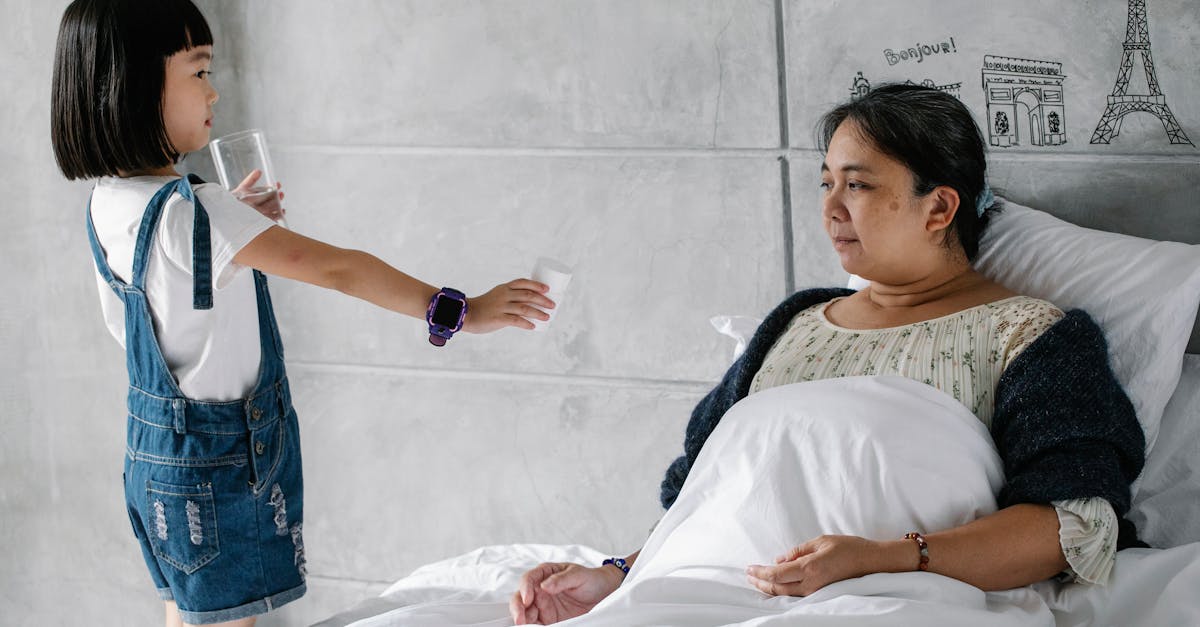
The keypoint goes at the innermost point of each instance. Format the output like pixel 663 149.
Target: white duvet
pixel 868 456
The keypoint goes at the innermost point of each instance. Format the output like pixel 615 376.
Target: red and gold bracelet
pixel 922 546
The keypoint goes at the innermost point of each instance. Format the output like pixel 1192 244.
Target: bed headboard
pixel 1144 197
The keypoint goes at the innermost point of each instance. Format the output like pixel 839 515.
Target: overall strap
pixel 100 257
pixel 272 368
pixel 202 297
pixel 201 241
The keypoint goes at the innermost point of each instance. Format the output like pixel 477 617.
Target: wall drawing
pixel 920 52
pixel 954 89
pixel 861 86
pixel 1121 102
pixel 1024 101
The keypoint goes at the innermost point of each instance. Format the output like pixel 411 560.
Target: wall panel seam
pixel 789 257
pixel 665 385
pixel 781 70
pixel 352 580
pixel 698 153
pixel 549 151
pixel 1076 157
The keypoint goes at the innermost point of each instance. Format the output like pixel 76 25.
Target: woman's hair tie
pixel 986 199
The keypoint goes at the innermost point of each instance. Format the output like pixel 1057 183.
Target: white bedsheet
pixel 870 456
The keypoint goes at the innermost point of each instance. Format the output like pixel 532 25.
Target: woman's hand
pixel 507 305
pixel 818 563
pixel 554 592
pixel 266 200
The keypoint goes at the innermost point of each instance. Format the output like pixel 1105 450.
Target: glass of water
pixel 236 156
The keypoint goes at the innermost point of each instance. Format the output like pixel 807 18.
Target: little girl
pixel 212 468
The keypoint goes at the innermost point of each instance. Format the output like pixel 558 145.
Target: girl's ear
pixel 941 207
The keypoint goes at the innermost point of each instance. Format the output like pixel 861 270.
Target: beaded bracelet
pixel 922 546
pixel 618 562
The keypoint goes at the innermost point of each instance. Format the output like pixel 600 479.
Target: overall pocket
pixel 267 445
pixel 181 523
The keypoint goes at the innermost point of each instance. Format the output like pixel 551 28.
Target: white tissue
pixel 740 328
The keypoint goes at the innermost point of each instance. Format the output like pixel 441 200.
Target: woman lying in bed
pixel 904 203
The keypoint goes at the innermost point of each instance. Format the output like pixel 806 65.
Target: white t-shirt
pixel 213 353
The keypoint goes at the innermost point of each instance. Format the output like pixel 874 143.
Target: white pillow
pixel 1166 508
pixel 1143 293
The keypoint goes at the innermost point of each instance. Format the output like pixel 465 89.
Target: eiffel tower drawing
pixel 1121 103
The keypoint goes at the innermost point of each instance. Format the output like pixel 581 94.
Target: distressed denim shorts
pixel 215 496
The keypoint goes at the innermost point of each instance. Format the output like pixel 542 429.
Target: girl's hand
pixel 816 564
pixel 553 592
pixel 267 201
pixel 508 305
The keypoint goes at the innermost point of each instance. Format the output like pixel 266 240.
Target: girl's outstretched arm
pixel 281 252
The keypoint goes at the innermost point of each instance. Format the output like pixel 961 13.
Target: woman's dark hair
pixel 933 135
pixel 109 68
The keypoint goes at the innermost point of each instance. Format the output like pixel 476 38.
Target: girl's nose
pixel 214 97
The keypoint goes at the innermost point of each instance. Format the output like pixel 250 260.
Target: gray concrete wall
pixel 662 148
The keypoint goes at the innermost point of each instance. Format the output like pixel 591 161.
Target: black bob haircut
pixel 109 67
pixel 933 134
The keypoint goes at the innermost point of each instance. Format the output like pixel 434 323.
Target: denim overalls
pixel 213 489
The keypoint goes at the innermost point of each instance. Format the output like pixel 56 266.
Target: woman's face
pixel 878 226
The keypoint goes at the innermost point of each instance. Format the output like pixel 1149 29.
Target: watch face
pixel 447 311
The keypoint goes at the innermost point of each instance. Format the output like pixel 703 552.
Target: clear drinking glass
pixel 237 155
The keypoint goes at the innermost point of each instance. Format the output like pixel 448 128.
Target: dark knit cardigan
pixel 1062 424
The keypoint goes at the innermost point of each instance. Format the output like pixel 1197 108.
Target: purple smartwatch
pixel 445 315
